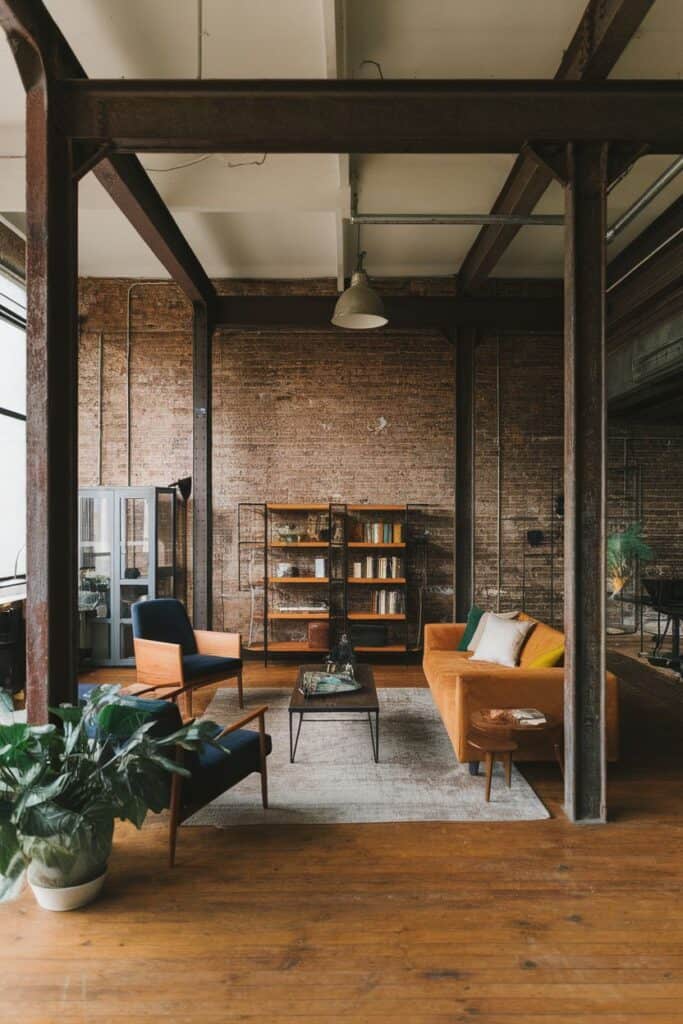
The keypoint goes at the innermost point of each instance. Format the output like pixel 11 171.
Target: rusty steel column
pixel 202 487
pixel 584 483
pixel 465 346
pixel 52 410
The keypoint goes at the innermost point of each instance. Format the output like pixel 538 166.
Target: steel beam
pixel 604 31
pixel 403 116
pixel 202 488
pixel 465 348
pixel 412 312
pixel 52 409
pixel 584 483
pixel 659 234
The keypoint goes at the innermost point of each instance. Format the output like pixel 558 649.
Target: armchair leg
pixel 186 705
pixel 176 789
pixel 263 758
pixel 240 690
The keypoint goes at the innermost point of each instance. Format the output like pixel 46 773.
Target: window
pixel 12 431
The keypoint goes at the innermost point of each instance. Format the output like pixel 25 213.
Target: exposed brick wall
pixel 298 416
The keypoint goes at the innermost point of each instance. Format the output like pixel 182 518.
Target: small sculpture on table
pixel 341 658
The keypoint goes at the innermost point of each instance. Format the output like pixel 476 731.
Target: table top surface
pixel 354 700
pixel 480 720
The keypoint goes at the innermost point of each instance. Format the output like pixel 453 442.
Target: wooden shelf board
pixel 285 507
pixel 376 508
pixel 298 579
pixel 299 544
pixel 367 544
pixel 285 646
pixel 387 649
pixel 372 616
pixel 398 580
pixel 286 616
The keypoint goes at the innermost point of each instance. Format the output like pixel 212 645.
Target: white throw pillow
pixel 502 641
pixel 481 626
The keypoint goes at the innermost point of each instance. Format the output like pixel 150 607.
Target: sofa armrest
pixel 443 636
pixel 222 645
pixel 158 664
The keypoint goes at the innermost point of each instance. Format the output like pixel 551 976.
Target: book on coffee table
pixel 319 684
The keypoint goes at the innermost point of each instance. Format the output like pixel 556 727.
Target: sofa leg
pixel 474 767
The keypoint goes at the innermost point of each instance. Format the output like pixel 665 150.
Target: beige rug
pixel 335 778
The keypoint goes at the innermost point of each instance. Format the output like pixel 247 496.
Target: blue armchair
pixel 212 772
pixel 171 656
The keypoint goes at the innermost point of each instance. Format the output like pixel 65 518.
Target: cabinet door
pixel 165 543
pixel 95 569
pixel 136 562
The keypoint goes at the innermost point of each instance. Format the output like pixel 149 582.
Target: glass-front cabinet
pixel 127 546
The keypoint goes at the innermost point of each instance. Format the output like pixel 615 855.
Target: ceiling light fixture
pixel 359 308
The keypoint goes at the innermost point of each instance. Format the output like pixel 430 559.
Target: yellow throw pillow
pixel 550 659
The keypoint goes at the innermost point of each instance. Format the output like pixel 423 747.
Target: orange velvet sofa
pixel 460 686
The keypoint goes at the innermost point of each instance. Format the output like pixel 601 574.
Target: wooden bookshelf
pixel 375 617
pixel 386 649
pixel 307 580
pixel 368 544
pixel 288 647
pixel 286 616
pixel 376 508
pixel 398 580
pixel 299 544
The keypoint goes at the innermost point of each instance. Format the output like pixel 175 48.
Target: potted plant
pixel 623 547
pixel 62 789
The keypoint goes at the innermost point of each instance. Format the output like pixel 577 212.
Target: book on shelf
pixel 383 533
pixel 357 570
pixel 376 568
pixel 388 602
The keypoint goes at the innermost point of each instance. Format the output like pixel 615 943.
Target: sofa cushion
pixel 213 772
pixel 196 666
pixel 550 659
pixel 165 620
pixel 473 617
pixel 502 641
pixel 481 626
pixel 539 642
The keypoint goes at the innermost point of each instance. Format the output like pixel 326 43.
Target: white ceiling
pixel 279 218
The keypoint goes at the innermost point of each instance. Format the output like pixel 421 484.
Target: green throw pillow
pixel 475 613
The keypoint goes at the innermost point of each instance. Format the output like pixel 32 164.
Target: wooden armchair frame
pixel 160 667
pixel 178 813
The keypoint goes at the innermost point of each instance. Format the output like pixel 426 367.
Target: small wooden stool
pixel 494 747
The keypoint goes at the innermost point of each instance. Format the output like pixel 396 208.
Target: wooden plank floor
pixel 534 922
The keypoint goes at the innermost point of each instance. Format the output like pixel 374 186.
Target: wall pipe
pixel 657 186
pixel 538 220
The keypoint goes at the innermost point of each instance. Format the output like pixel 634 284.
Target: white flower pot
pixel 71 897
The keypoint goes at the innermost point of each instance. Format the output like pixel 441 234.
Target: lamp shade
pixel 359 308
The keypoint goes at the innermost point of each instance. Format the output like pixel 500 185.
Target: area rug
pixel 335 778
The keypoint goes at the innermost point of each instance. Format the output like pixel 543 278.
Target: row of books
pixel 383 533
pixel 374 568
pixel 388 602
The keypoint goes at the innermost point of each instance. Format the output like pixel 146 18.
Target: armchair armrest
pixel 222 645
pixel 443 636
pixel 259 713
pixel 158 664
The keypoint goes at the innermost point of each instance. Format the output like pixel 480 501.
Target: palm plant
pixel 623 547
pixel 62 788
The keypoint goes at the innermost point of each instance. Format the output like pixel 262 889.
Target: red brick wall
pixel 299 416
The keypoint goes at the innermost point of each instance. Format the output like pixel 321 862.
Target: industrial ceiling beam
pixel 660 234
pixel 404 116
pixel 28 24
pixel 603 33
pixel 404 312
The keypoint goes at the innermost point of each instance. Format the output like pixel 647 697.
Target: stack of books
pixel 373 568
pixel 383 533
pixel 388 602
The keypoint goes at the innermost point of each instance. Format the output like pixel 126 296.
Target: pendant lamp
pixel 359 308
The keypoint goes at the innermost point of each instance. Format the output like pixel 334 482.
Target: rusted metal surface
pixel 402 116
pixel 51 427
pixel 403 311
pixel 584 483
pixel 465 347
pixel 605 29
pixel 202 488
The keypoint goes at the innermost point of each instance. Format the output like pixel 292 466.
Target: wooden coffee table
pixel 495 738
pixel 358 701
